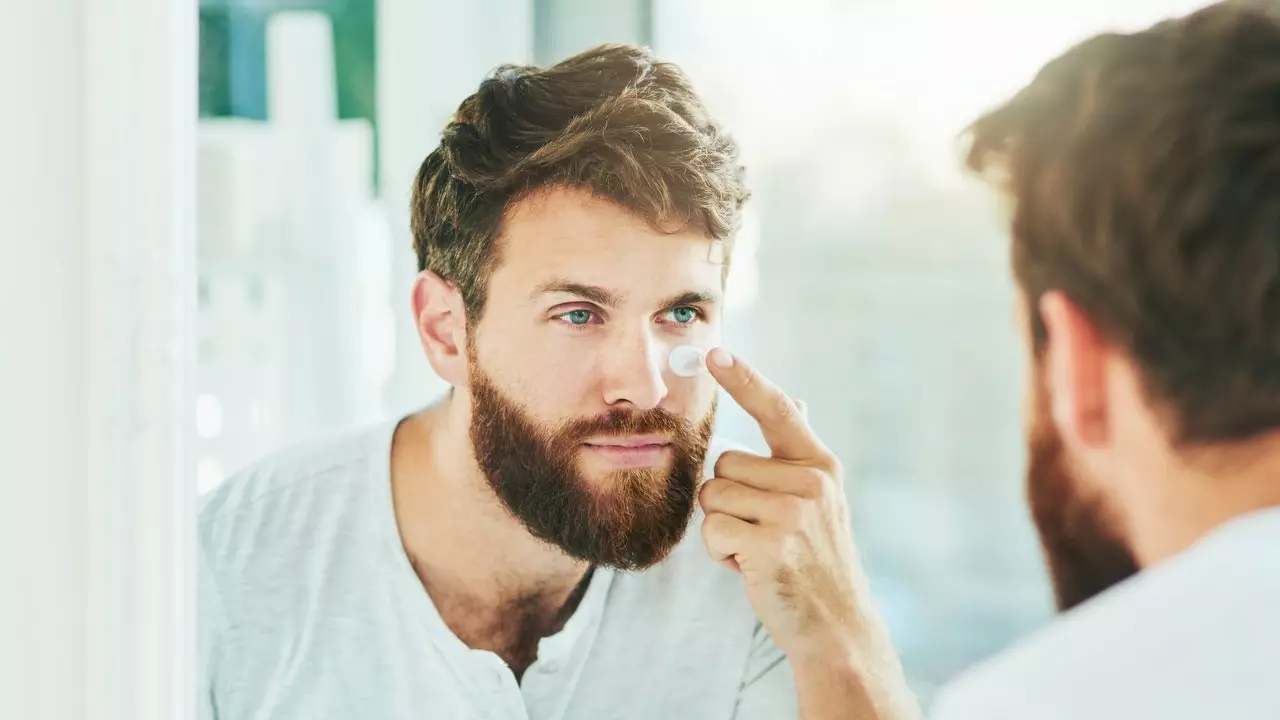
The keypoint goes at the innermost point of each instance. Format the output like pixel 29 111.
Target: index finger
pixel 781 420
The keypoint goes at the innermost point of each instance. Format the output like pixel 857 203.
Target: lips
pixel 630 451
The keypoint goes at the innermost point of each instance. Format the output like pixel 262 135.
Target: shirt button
pixel 550 666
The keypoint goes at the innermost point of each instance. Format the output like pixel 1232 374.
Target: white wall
pixel 431 55
pixel 567 27
pixel 42 431
pixel 95 279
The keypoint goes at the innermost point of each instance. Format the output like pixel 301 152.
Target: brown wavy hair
pixel 613 121
pixel 1144 175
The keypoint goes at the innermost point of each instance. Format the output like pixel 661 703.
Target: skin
pixel 782 523
pixel 1165 497
pixel 1160 499
pixel 581 313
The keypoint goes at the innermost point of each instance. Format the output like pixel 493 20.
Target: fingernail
pixel 721 358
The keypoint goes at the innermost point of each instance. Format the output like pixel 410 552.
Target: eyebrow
pixel 594 293
pixel 612 298
pixel 691 297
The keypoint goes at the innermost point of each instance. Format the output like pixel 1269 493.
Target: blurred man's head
pixel 573 226
pixel 1143 171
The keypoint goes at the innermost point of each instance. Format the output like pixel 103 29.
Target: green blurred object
pixel 233 57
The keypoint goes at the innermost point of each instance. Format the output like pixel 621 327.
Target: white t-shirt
pixel 1196 637
pixel 309 610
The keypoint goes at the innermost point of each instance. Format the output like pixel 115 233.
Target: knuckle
pixel 718 524
pixel 710 527
pixel 831 464
pixel 813 483
pixel 785 408
pixel 709 490
pixel 728 460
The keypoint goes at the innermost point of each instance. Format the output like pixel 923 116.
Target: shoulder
pixel 1177 640
pixel 289 495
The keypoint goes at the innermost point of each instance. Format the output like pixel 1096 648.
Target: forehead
pixel 572 235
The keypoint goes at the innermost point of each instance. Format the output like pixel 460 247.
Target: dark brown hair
pixel 612 121
pixel 1144 174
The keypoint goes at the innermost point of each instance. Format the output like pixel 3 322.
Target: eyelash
pixel 698 315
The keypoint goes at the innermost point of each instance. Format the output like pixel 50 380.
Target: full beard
pixel 629 519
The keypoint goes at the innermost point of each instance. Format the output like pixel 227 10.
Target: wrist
pixel 852 645
pixel 861 675
pixel 832 654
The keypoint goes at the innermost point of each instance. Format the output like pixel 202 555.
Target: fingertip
pixel 720 358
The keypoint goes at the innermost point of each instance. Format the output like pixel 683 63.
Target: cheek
pixel 532 362
pixel 691 398
pixel 552 386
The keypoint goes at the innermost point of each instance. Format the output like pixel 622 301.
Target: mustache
pixel 654 421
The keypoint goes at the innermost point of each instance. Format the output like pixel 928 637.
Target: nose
pixel 633 371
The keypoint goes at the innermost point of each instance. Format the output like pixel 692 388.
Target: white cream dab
pixel 687 361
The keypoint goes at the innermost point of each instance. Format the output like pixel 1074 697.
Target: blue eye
pixel 577 317
pixel 684 315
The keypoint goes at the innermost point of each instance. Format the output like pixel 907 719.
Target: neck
pixel 443 505
pixel 495 586
pixel 1199 491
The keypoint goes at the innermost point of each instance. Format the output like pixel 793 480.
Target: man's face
pixel 579 425
pixel 1079 531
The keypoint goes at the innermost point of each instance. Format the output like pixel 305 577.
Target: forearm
pixel 854 683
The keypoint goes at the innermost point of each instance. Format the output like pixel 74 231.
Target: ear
pixel 442 326
pixel 1076 356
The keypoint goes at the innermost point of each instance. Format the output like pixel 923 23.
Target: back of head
pixel 612 121
pixel 1144 172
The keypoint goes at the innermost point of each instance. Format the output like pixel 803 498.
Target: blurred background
pixel 871 277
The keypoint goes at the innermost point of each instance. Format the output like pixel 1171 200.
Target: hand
pixel 783 523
